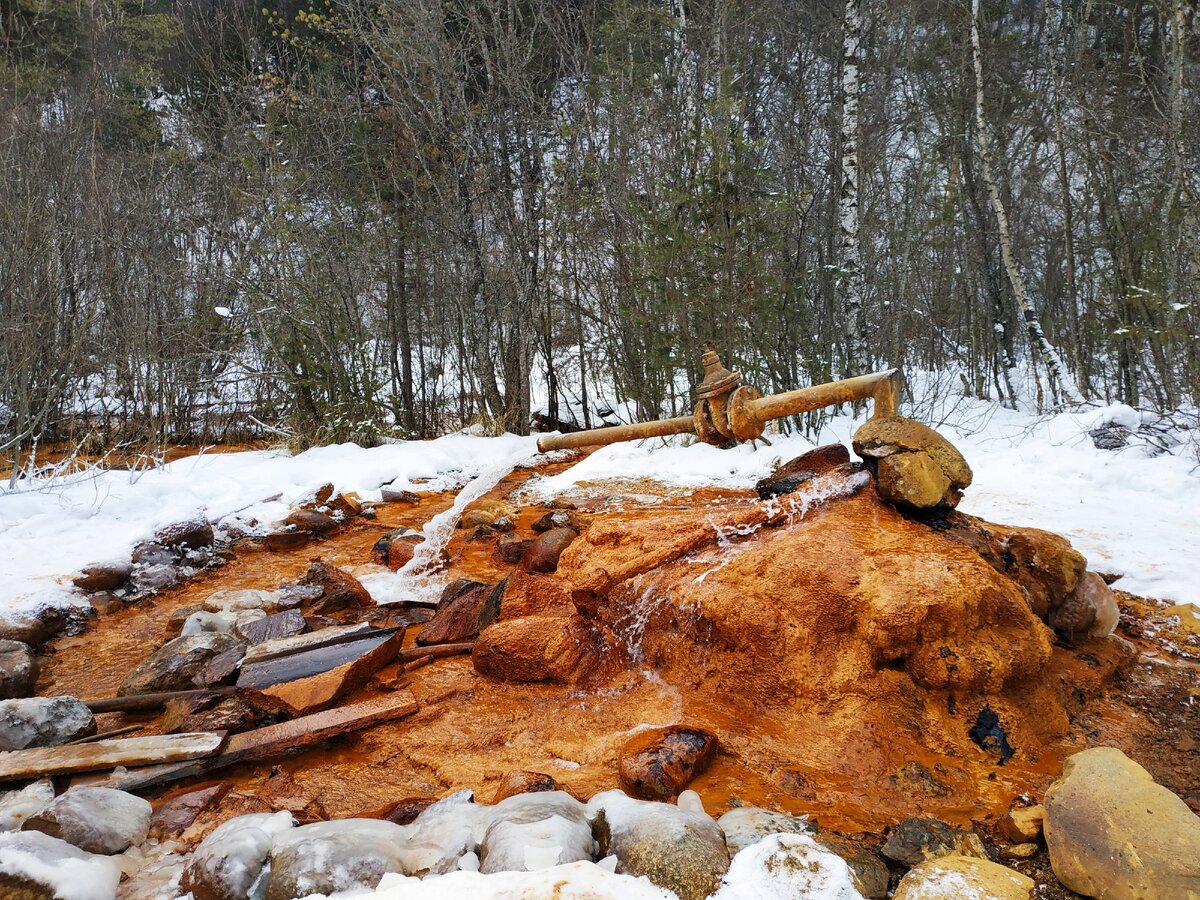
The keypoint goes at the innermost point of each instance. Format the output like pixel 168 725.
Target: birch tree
pixel 1037 336
pixel 849 244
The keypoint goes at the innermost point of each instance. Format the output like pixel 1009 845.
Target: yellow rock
pixel 1024 824
pixel 1115 834
pixel 882 437
pixel 960 877
pixel 912 479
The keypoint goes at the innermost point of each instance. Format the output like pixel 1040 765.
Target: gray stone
pixel 103 576
pixel 156 578
pixel 177 665
pixel 193 534
pixel 748 825
pixel 339 855
pixel 43 722
pixel 95 819
pixel 149 553
pixel 18 670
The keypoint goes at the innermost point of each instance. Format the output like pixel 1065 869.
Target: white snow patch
pixel 783 866
pixel 574 881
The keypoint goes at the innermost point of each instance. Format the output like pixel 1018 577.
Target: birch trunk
pixel 1054 364
pixel 849 246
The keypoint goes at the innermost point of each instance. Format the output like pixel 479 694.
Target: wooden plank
pixel 300 734
pixel 105 735
pixel 136 751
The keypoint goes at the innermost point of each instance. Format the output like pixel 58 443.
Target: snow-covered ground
pixel 1128 511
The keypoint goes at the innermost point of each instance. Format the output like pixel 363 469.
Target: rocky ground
pixel 834 683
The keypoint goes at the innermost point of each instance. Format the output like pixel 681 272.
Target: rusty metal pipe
pixel 882 387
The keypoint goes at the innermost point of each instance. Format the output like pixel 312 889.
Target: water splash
pixel 420 577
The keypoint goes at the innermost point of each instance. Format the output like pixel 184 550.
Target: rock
pixel 871 874
pixel 311 521
pixel 402 547
pixel 882 437
pixel 457 616
pixel 789 476
pixel 746 825
pixel 219 622
pixel 560 518
pixel 347 504
pixel 566 650
pixel 153 579
pixel 533 594
pixel 480 533
pixel 43 722
pixel 105 604
pixel 318 496
pixel 177 665
pixel 913 480
pixel 1090 611
pixel 176 815
pixel 445 831
pixel 233 601
pixel 35 866
pixel 791 866
pixel 289 596
pixel 521 782
pixel 18 670
pixel 477 518
pixel 404 811
pixel 510 550
pixel 103 577
pixel 677 849
pixel 234 713
pixel 268 628
pixel 659 763
pixel 341 590
pixel 152 553
pixel 959 877
pixel 1114 833
pixel 222 668
pixel 915 840
pixel 95 819
pixel 394 495
pixel 339 855
pixel 1110 436
pixel 33 629
pixel 231 859
pixel 193 534
pixel 528 832
pixel 280 541
pixel 1019 851
pixel 1023 823
pixel 17 806
pixel 543 553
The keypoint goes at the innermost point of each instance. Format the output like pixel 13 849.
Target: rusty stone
pixel 659 764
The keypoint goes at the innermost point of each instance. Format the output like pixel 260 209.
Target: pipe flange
pixel 706 430
pixel 742 422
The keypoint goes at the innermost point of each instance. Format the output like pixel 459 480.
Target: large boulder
pixel 177 665
pixel 533 594
pixel 913 480
pixel 229 862
pixel 682 850
pixel 95 819
pixel 659 763
pixel 562 649
pixel 18 669
pixel 338 855
pixel 43 722
pixel 959 877
pixel 36 866
pixel 1114 833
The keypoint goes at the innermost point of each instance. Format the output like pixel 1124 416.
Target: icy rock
pixel 1113 832
pixel 677 849
pixel 176 665
pixel 18 669
pixel 225 622
pixel 95 819
pixel 1090 610
pixel 229 862
pixel 748 825
pixel 536 831
pixel 522 782
pixel 959 877
pixel 440 835
pixel 191 534
pixel 231 601
pixel 33 629
pixel 43 722
pixel 103 576
pixel 156 578
pixel 36 866
pixel 17 806
pixel 150 553
pixel 574 881
pixel 786 866
pixel 659 763
pixel 334 856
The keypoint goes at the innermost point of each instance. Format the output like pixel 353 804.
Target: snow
pixel 1129 511
pixel 573 881
pixel 784 866
pixel 17 806
pixel 68 872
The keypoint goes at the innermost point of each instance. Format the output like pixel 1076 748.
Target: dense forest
pixel 351 220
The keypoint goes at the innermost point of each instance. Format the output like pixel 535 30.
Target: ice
pixel 234 854
pixel 17 806
pixel 573 881
pixel 67 872
pixel 444 832
pixel 536 831
pixel 786 866
pixel 99 819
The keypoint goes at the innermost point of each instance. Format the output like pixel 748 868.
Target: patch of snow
pixel 783 866
pixel 68 872
pixel 574 881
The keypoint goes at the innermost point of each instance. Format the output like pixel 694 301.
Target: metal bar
pixel 616 433
pixel 793 403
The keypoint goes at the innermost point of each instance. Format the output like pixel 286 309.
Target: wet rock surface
pixel 43 722
pixel 1113 832
pixel 340 590
pixel 228 863
pixel 17 806
pixel 177 665
pixel 562 649
pixel 325 857
pixel 658 764
pixel 957 877
pixel 18 669
pixel 95 819
pixel 457 615
pixel 792 474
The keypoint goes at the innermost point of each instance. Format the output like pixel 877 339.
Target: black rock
pixel 990 736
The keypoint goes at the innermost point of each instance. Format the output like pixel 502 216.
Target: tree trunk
pixel 849 246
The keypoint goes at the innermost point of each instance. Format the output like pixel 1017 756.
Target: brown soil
pixel 856 768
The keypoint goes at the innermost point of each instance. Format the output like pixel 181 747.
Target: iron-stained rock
pixel 177 665
pixel 659 763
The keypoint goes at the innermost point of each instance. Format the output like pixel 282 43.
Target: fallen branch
pixel 137 702
pixel 105 735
